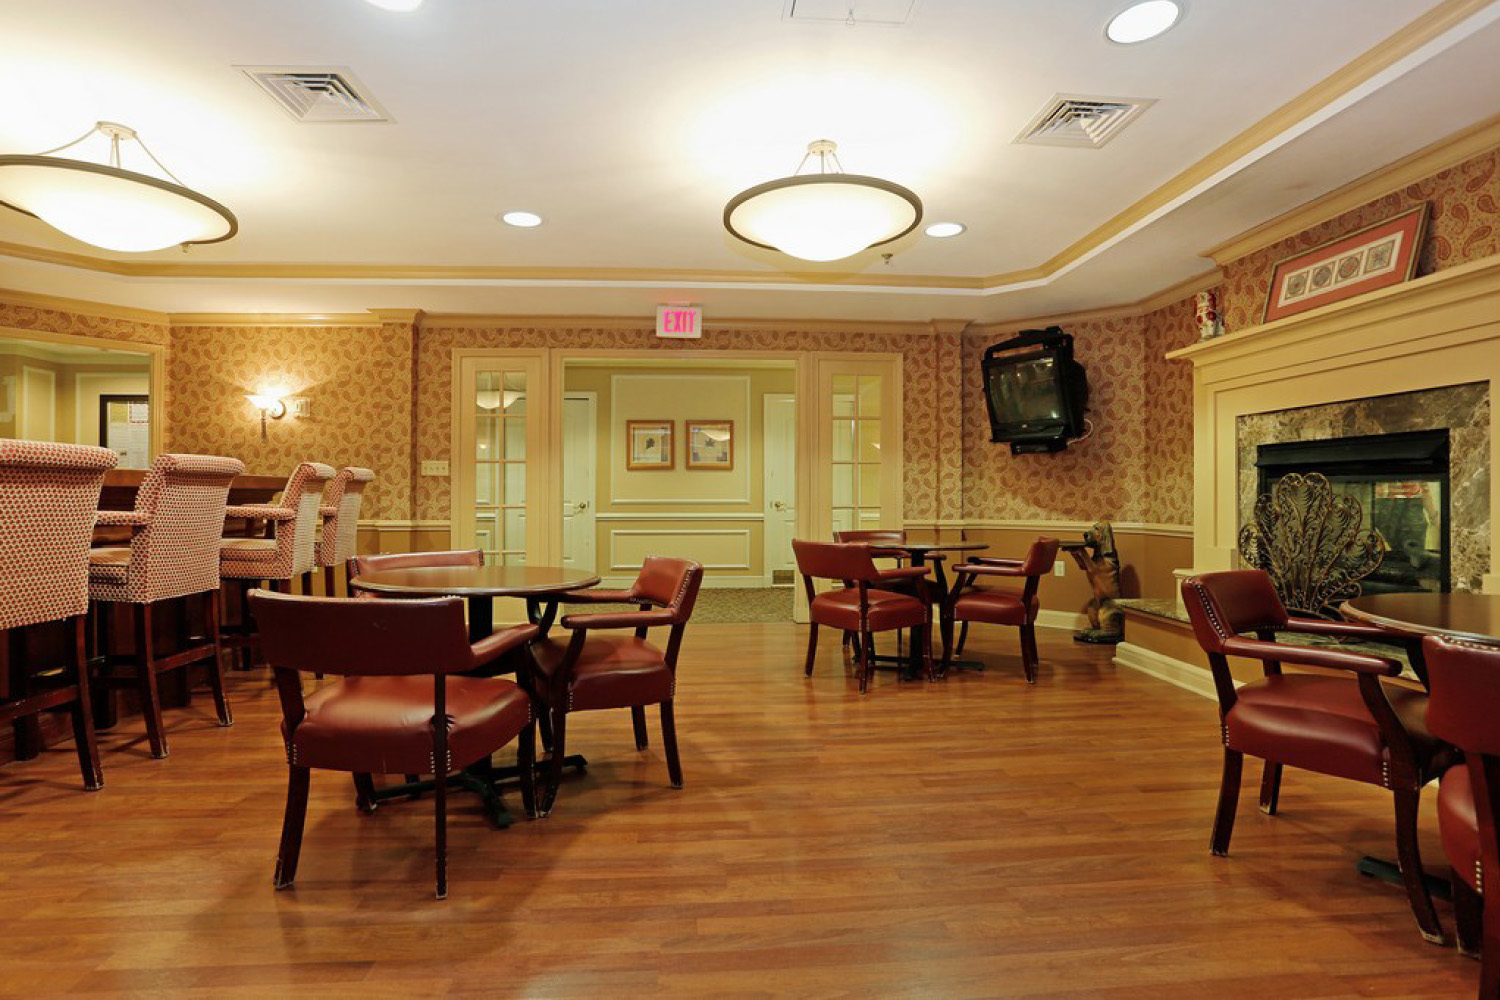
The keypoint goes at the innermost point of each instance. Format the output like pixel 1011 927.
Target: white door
pixel 579 458
pixel 779 465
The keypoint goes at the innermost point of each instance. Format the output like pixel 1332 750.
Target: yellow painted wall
pixel 730 547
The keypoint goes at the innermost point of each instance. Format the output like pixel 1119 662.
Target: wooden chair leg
pixel 145 680
pixel 1270 788
pixel 364 793
pixel 866 664
pixel 1409 856
pixel 291 826
pixel 963 637
pixel 544 729
pixel 946 625
pixel 669 743
pixel 328 582
pixel 1229 799
pixel 638 720
pixel 440 817
pixel 304 583
pixel 812 648
pixel 1489 962
pixel 1468 914
pixel 1028 652
pixel 926 633
pixel 83 711
pixel 216 668
pixel 555 762
pixel 526 764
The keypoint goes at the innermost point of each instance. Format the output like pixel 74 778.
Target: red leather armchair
pixel 967 603
pixel 864 607
pixel 1350 726
pixel 373 563
pixel 1464 709
pixel 589 672
pixel 398 709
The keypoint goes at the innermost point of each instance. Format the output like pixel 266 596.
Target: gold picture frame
pixel 649 446
pixel 710 444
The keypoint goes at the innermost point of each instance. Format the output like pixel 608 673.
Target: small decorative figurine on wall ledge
pixel 1100 561
pixel 1206 315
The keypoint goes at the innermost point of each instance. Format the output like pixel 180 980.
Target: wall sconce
pixel 270 404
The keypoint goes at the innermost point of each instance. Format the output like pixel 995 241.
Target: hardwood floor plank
pixel 979 837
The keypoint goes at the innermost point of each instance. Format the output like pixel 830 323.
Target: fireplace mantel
pixel 1440 330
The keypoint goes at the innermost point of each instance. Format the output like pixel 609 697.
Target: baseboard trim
pixel 1166 668
pixel 1070 620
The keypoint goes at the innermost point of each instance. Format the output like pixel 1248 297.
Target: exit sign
pixel 679 322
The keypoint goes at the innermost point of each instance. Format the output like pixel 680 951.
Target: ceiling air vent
pixel 1086 122
pixel 851 12
pixel 317 95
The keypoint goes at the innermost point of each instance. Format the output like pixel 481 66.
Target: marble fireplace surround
pixel 1462 410
pixel 1435 332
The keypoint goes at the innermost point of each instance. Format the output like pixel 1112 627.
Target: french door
pixel 500 474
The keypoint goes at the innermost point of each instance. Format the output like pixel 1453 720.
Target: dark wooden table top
pixel 121 486
pixel 476 581
pixel 914 547
pixel 1459 615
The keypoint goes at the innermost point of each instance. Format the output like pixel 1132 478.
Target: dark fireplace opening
pixel 1401 483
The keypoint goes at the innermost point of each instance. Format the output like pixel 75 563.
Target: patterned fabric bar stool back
pixel 342 498
pixel 48 496
pixel 173 554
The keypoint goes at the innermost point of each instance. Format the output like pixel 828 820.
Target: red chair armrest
pixel 1312 656
pixel 1345 630
pixel 624 619
pixel 995 561
pixel 496 645
pixel 261 512
pixel 904 573
pixel 130 517
pixel 599 595
pixel 985 569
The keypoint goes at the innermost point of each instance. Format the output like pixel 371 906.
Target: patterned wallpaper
pixel 930 369
pixel 358 380
pixel 1168 455
pixel 1463 225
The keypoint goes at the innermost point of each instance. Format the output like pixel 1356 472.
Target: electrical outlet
pixel 434 468
pixel 1059 568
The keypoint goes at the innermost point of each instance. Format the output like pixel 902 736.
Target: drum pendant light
pixel 107 206
pixel 828 215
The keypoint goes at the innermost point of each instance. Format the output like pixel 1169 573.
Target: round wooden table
pixel 1461 615
pixel 921 554
pixel 542 587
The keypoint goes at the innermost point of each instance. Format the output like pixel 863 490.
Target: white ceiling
pixel 627 125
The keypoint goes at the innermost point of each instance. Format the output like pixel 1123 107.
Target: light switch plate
pixel 300 406
pixel 1059 568
pixel 434 468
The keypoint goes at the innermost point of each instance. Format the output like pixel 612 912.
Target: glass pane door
pixel 498 445
pixel 857 501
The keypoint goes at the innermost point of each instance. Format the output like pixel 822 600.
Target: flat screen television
pixel 1036 394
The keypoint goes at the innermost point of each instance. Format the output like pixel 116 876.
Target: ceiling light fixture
pixel 942 230
pixel 523 220
pixel 402 6
pixel 1143 21
pixel 107 206
pixel 824 216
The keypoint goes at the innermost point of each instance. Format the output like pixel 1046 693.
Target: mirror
pixel 79 390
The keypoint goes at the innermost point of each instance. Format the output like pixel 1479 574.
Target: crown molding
pixel 1444 154
pixel 488 321
pixel 81 307
pixel 1170 295
pixel 184 319
pixel 1305 111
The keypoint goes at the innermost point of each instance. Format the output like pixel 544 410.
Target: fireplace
pixel 1401 482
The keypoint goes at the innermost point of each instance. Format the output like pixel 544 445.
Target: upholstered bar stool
pixel 289 552
pixel 342 498
pixel 173 553
pixel 48 496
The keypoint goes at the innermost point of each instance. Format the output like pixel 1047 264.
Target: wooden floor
pixel 972 838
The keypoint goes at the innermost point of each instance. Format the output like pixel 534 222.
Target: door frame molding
pixel 592 398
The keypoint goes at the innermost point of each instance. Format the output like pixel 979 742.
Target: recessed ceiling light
pixel 944 229
pixel 525 220
pixel 1141 21
pixel 400 5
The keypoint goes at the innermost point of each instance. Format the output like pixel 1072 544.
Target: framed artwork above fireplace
pixel 1375 257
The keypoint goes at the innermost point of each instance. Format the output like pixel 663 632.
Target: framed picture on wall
pixel 1375 257
pixel 648 445
pixel 710 444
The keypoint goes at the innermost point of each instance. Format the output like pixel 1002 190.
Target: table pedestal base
pixel 483 779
